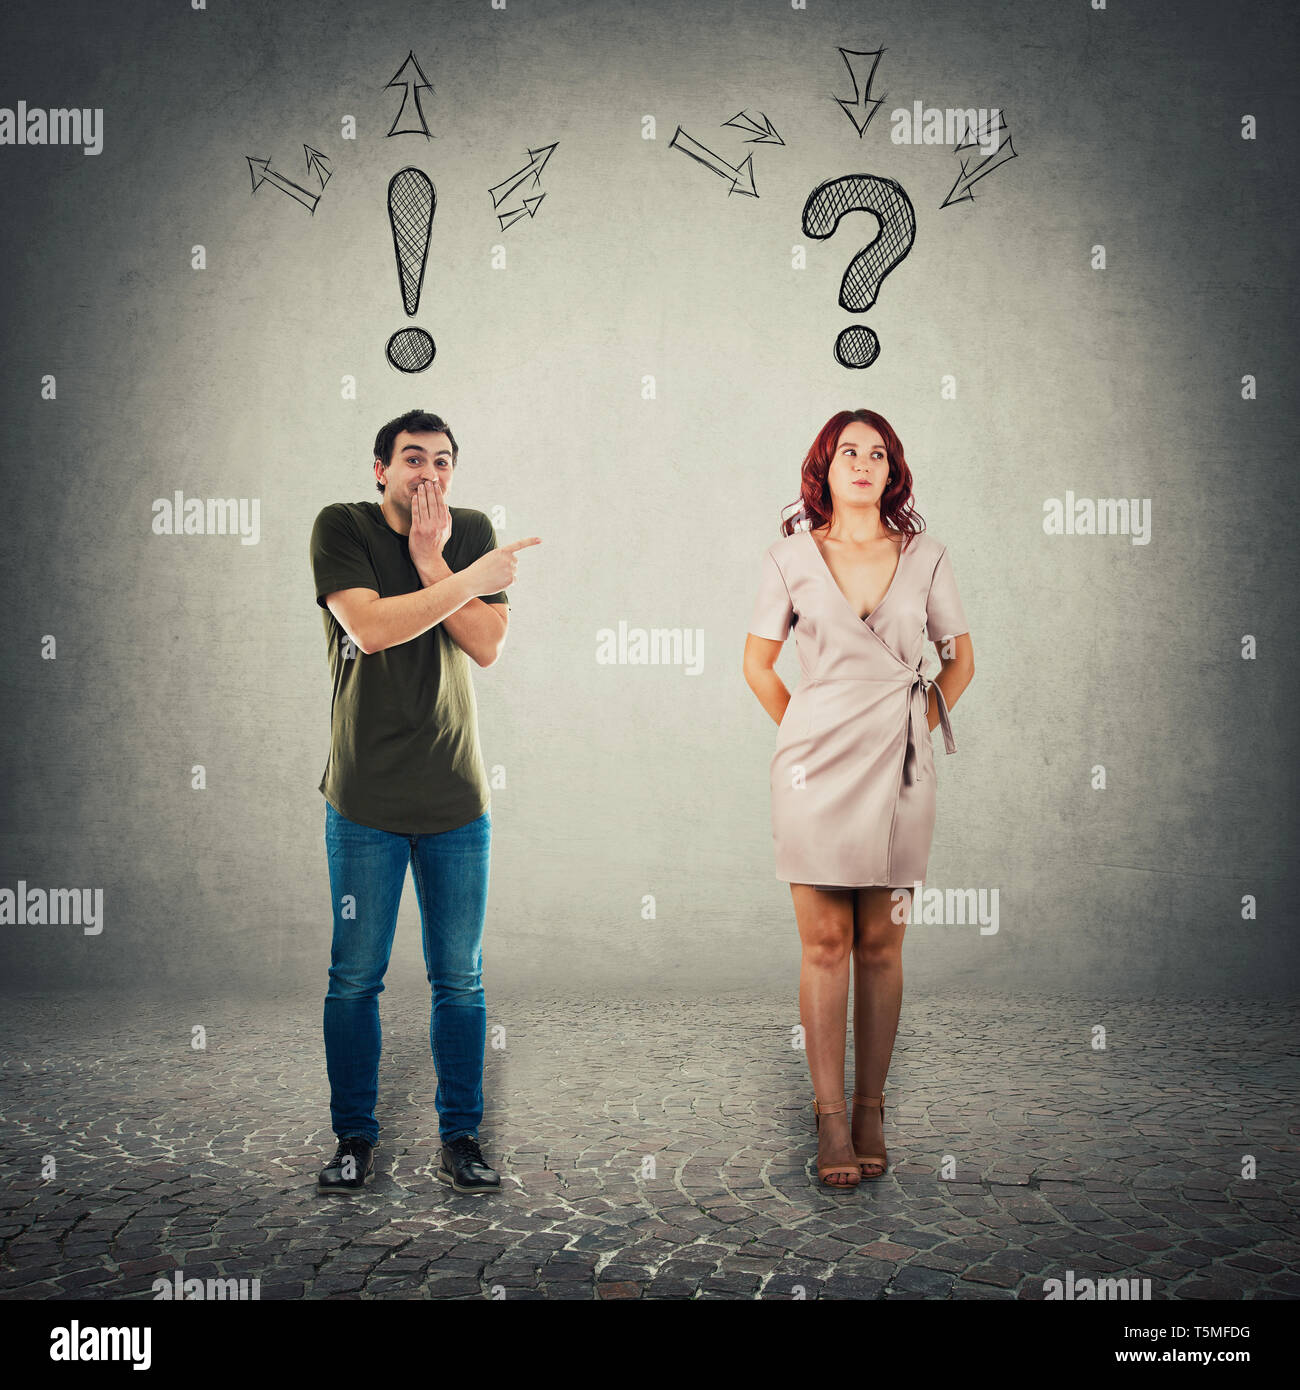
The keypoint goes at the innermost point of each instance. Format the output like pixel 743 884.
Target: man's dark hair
pixel 413 422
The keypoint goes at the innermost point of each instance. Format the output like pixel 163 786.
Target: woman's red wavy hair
pixel 815 507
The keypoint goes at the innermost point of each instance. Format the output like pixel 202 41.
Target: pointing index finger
pixel 519 545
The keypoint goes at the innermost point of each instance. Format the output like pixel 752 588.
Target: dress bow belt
pixel 922 682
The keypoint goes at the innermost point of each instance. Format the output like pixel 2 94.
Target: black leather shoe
pixel 464 1168
pixel 358 1153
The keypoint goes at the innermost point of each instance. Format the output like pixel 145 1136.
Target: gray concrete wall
pixel 623 782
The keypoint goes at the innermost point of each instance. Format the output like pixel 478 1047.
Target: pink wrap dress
pixel 853 775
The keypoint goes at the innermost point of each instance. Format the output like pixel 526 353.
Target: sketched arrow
pixel 861 109
pixel 261 172
pixel 764 134
pixel 529 209
pixel 533 169
pixel 972 172
pixel 715 162
pixel 411 76
pixel 318 164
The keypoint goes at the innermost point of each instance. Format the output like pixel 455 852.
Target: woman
pixel 853 773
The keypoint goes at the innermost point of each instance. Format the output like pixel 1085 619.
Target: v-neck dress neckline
pixel 830 574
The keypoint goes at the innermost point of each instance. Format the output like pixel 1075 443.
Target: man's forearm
pixel 476 628
pixel 388 622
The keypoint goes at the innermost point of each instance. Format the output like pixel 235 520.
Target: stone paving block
pixel 793 1286
pixel 999 1275
pixel 665 1287
pixel 619 1290
pixel 564 1274
pixel 886 1250
pixel 922 1281
pixel 735 1284
pixel 843 1285
pixel 452 1286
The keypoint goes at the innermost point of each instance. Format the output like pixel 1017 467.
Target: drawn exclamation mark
pixel 411 201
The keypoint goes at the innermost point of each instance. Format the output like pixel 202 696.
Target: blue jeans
pixel 367 873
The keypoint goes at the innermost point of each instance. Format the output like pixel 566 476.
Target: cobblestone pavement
pixel 655 1149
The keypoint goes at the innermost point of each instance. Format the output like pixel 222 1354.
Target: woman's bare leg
pixel 877 1001
pixel 826 930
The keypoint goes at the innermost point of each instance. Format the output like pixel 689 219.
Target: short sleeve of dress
pixel 773 611
pixel 944 615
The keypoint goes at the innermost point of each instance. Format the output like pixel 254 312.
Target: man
pixel 411 587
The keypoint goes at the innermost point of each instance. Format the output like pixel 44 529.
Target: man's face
pixel 417 458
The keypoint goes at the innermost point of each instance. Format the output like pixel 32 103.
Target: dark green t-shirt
pixel 404 752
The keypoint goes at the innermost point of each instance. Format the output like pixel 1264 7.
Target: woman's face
pixel 860 468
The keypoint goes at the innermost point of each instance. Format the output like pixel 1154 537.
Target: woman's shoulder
pixel 784 546
pixel 926 544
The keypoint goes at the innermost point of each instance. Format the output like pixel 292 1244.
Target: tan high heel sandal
pixel 880 1160
pixel 824 1173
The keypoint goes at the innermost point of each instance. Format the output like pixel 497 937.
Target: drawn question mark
pixel 858 346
